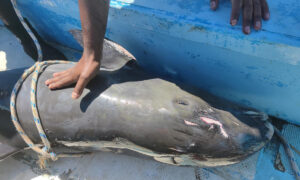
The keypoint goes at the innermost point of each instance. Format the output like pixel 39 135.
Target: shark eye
pixel 182 102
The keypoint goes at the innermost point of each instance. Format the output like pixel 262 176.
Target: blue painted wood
pixel 265 167
pixel 291 134
pixel 185 40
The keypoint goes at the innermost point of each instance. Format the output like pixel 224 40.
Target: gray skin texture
pixel 123 101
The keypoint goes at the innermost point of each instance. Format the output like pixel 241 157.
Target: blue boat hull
pixel 185 40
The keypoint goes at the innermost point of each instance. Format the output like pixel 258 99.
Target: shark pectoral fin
pixel 7 151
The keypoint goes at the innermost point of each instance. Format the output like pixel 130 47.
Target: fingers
pixel 81 84
pixel 235 12
pixel 60 82
pixel 265 10
pixel 257 14
pixel 60 79
pixel 56 77
pixel 253 12
pixel 214 4
pixel 60 73
pixel 247 15
pixel 52 80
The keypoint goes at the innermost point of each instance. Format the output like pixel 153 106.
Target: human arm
pixel 93 15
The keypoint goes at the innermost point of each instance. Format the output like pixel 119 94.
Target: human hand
pixel 81 74
pixel 253 12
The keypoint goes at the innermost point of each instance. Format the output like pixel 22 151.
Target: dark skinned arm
pixel 253 12
pixel 93 15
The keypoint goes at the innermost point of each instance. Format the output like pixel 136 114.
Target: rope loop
pixel 35 70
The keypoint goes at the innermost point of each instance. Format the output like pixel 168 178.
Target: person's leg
pixel 93 15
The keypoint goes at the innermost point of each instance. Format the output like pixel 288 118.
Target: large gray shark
pixel 126 108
